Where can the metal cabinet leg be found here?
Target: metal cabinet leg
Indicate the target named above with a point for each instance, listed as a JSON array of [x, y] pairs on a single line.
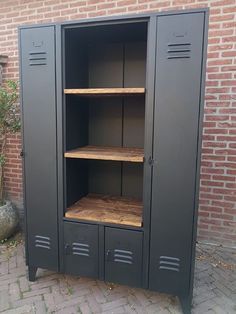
[[32, 273], [186, 304]]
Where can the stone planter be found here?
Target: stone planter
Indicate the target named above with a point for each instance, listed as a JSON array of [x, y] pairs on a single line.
[[9, 220]]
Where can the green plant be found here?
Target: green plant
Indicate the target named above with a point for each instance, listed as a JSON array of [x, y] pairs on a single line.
[[9, 123]]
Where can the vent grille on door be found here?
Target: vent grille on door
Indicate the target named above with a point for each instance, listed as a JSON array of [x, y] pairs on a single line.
[[169, 263], [42, 242], [37, 58], [123, 256], [179, 51], [80, 249]]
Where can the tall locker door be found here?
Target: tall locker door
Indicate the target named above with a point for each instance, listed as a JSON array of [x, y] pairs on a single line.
[[39, 135], [175, 147]]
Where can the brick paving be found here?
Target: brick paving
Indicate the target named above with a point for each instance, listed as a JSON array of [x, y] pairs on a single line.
[[214, 289]]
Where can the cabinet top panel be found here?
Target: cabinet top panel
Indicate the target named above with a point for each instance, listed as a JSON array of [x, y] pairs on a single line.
[[116, 18]]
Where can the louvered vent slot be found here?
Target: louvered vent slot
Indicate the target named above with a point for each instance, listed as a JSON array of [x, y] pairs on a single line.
[[80, 249], [38, 58], [169, 263], [42, 242], [179, 51], [123, 256]]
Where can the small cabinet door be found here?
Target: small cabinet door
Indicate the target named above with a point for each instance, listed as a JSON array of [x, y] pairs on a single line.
[[179, 62], [123, 256], [37, 58], [81, 249]]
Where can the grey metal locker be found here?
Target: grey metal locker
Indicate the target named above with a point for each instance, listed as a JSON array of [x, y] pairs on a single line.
[[37, 53], [149, 241], [179, 58]]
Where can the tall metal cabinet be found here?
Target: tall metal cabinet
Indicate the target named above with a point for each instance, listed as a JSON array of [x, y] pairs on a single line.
[[112, 113]]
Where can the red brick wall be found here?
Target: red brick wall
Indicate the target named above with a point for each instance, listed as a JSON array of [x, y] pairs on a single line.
[[217, 216]]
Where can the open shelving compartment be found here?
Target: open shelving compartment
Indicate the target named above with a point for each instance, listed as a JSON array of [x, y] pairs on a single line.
[[104, 110]]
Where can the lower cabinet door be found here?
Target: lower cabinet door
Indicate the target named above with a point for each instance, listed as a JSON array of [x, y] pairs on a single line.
[[123, 256], [81, 249]]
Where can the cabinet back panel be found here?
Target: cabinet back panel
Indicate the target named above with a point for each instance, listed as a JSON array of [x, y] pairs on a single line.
[[76, 63], [76, 121], [135, 64], [116, 178], [105, 121], [132, 180], [106, 65], [105, 177], [133, 122], [76, 180]]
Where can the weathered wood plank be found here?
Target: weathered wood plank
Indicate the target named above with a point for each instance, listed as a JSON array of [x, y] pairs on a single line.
[[107, 153], [105, 208], [105, 91]]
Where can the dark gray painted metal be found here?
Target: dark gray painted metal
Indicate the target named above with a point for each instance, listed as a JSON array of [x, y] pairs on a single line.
[[40, 139], [101, 263], [104, 61], [118, 226], [177, 101], [105, 121], [80, 50], [116, 19], [123, 256], [76, 116], [201, 113], [107, 33], [60, 150], [81, 249], [76, 62], [132, 180], [135, 64], [133, 121], [104, 177], [148, 139], [76, 179]]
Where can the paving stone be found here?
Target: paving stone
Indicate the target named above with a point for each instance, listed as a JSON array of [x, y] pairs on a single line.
[[14, 292], [98, 295], [20, 310], [24, 284], [40, 307], [113, 304], [93, 304], [118, 310], [214, 289], [84, 308], [69, 303], [35, 292], [4, 300], [26, 301], [68, 310]]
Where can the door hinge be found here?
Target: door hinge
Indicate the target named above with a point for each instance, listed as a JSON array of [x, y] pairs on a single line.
[[150, 161], [22, 154]]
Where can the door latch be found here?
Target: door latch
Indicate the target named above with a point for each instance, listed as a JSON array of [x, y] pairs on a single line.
[[67, 249], [108, 255]]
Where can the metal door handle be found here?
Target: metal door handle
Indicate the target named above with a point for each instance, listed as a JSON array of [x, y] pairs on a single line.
[[67, 249], [108, 255]]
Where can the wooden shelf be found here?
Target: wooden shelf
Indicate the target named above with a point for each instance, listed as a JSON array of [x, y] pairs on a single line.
[[105, 91], [107, 153], [108, 209]]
